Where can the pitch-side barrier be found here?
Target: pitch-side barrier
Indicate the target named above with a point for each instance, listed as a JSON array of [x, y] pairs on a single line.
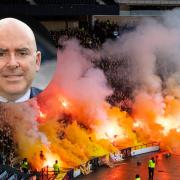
[[106, 160]]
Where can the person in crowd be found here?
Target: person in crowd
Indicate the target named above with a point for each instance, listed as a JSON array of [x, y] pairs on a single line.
[[19, 61], [41, 155]]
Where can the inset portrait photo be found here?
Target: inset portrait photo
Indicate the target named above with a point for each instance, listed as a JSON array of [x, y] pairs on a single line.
[[26, 59]]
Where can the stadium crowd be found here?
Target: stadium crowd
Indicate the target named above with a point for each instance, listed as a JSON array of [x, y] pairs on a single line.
[[7, 145], [89, 38]]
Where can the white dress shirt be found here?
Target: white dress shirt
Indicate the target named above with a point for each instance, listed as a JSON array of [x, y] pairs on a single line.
[[23, 98]]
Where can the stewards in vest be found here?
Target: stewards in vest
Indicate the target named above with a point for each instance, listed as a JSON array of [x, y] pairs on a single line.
[[56, 167], [25, 165], [151, 166]]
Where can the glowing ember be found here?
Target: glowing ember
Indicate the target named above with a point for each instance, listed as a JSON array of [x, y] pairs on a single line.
[[64, 102], [42, 115]]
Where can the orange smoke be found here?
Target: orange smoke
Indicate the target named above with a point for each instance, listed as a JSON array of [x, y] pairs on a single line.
[[75, 136]]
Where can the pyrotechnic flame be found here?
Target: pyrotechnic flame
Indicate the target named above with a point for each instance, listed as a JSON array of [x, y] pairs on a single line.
[[64, 102], [137, 124], [42, 115], [168, 124], [111, 131], [50, 159]]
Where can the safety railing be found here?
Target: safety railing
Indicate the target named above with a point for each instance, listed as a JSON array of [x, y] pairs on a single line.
[[107, 160], [48, 173], [145, 145]]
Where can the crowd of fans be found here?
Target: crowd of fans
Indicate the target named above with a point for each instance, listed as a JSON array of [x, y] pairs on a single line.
[[86, 39], [7, 146], [93, 39], [89, 38], [105, 30]]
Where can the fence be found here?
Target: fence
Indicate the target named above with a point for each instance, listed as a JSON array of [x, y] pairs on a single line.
[[93, 164]]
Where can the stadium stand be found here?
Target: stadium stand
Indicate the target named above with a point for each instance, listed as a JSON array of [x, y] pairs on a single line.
[[7, 172]]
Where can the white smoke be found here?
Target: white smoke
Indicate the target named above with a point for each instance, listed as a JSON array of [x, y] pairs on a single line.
[[152, 50], [26, 125], [80, 80]]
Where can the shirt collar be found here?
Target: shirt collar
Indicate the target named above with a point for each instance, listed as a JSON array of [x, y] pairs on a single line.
[[23, 98]]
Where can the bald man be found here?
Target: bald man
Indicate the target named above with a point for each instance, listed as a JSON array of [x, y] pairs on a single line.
[[19, 61]]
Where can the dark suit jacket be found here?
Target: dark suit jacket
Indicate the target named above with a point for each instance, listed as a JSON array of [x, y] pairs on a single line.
[[34, 92]]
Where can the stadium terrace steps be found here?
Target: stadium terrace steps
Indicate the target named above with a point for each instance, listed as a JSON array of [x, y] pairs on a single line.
[[7, 172], [3, 175]]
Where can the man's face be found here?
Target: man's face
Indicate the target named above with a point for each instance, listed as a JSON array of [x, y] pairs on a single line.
[[19, 62]]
